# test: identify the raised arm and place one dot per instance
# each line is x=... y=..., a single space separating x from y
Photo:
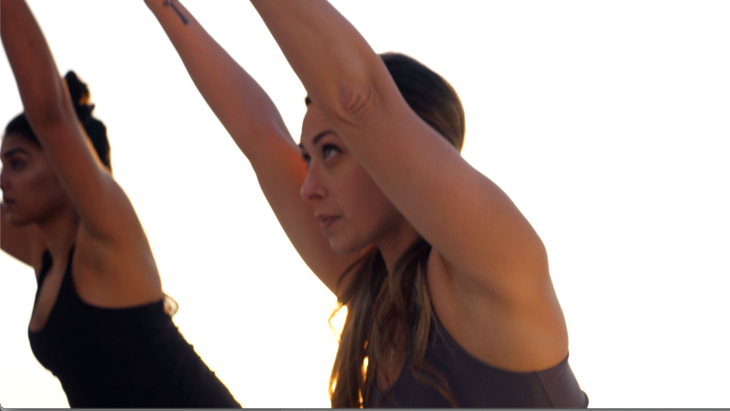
x=104 y=209
x=254 y=123
x=497 y=272
x=463 y=214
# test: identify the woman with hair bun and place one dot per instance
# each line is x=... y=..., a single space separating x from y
x=447 y=288
x=101 y=322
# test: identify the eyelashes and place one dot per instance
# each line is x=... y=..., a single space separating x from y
x=328 y=150
x=14 y=164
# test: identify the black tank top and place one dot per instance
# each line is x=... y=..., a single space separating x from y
x=122 y=358
x=477 y=384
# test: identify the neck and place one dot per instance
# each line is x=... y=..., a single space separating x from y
x=59 y=230
x=396 y=243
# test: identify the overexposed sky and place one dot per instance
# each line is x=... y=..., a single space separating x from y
x=608 y=124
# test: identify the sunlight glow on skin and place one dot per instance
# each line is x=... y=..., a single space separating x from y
x=338 y=186
x=605 y=125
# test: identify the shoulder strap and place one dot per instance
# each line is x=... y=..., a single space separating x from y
x=45 y=267
x=48 y=262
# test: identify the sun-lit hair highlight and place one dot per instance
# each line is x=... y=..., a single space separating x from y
x=388 y=311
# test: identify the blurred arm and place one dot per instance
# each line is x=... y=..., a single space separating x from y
x=105 y=211
x=254 y=123
x=494 y=288
x=467 y=218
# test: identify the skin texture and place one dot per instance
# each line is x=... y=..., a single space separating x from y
x=487 y=272
x=31 y=191
x=352 y=210
x=65 y=197
x=393 y=177
x=26 y=173
x=255 y=125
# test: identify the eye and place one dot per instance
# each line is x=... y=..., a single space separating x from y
x=328 y=149
x=16 y=164
x=307 y=158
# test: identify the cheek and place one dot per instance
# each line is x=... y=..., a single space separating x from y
x=39 y=179
x=41 y=188
x=369 y=208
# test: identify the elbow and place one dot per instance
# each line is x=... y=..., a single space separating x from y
x=356 y=97
x=354 y=106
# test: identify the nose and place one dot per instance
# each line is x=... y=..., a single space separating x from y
x=312 y=188
x=4 y=179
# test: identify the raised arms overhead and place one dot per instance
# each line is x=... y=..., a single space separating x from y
x=463 y=214
x=254 y=123
x=49 y=110
x=493 y=266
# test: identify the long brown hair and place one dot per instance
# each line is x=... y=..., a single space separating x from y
x=387 y=312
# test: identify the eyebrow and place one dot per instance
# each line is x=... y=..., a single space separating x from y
x=14 y=151
x=318 y=137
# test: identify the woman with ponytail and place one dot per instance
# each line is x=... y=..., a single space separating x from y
x=100 y=322
x=447 y=288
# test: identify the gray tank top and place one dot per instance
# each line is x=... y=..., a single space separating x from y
x=477 y=384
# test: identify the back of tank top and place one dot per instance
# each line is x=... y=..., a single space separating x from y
x=477 y=384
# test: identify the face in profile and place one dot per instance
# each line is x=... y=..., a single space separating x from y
x=352 y=210
x=31 y=190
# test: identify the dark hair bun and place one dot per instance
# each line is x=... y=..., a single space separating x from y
x=79 y=96
x=95 y=129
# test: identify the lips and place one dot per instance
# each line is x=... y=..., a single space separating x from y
x=326 y=220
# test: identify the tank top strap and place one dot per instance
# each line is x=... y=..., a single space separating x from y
x=47 y=261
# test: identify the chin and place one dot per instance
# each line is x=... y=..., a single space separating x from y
x=345 y=247
x=16 y=219
x=339 y=248
x=16 y=222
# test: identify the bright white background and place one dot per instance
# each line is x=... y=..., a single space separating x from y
x=608 y=123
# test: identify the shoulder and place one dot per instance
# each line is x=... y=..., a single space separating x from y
x=520 y=334
x=114 y=273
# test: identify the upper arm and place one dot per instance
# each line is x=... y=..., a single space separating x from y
x=103 y=207
x=280 y=172
x=493 y=253
x=239 y=102
x=465 y=216
x=254 y=123
x=100 y=202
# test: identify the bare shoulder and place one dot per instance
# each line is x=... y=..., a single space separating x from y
x=115 y=274
x=524 y=331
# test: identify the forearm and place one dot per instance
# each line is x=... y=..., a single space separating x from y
x=41 y=89
x=243 y=107
x=333 y=61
